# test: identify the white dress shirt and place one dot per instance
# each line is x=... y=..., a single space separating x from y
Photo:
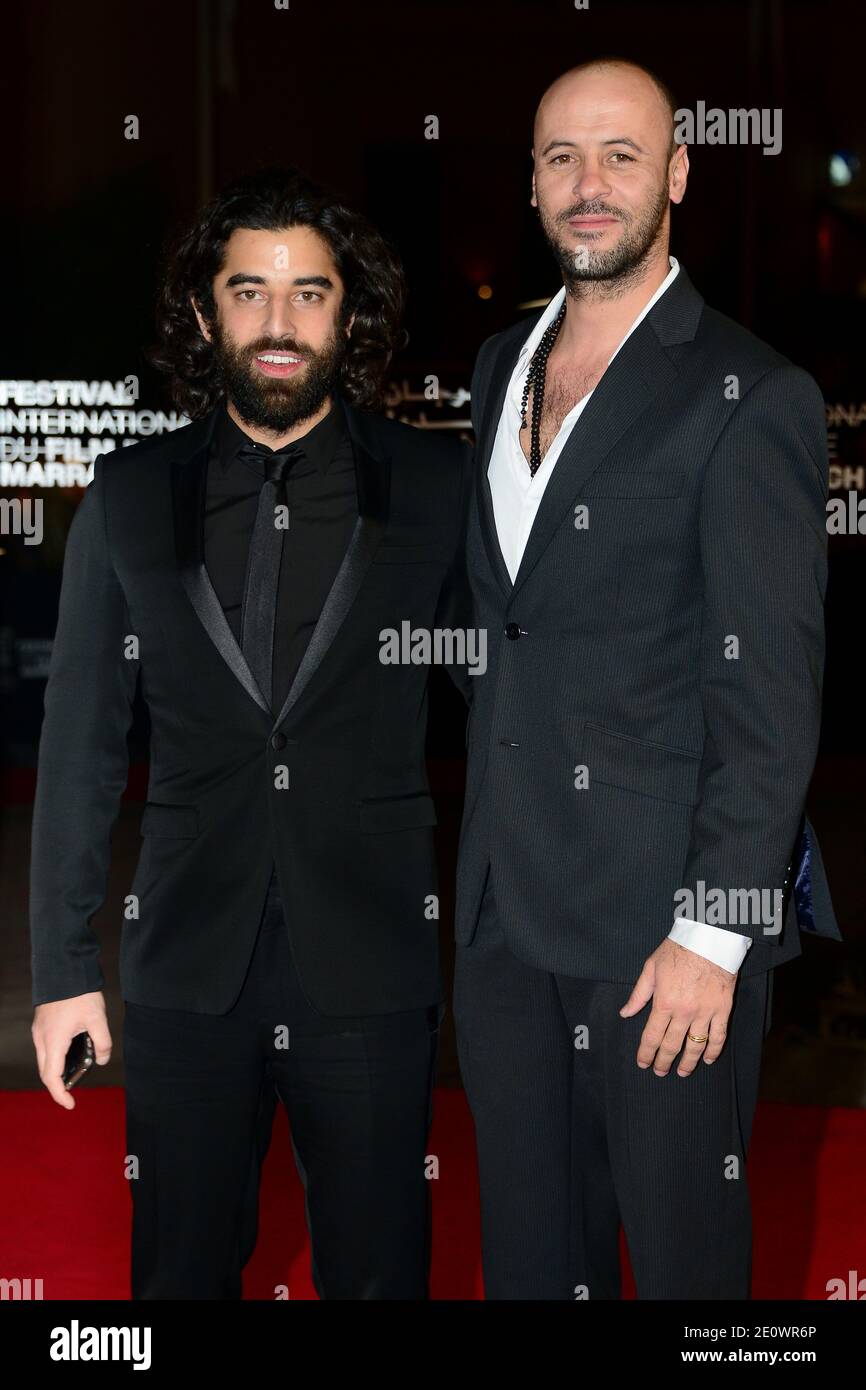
x=516 y=498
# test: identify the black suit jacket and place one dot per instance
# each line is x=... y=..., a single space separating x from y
x=351 y=835
x=706 y=520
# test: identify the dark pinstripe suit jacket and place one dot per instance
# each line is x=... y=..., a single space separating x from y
x=701 y=459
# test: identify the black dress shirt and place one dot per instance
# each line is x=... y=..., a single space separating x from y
x=323 y=507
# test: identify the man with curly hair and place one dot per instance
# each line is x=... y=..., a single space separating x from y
x=281 y=936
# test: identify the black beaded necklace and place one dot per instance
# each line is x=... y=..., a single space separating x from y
x=535 y=378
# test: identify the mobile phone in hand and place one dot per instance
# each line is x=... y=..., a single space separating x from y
x=79 y=1059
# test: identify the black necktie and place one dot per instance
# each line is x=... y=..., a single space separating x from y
x=259 y=608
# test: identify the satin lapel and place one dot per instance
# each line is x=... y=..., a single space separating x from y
x=373 y=474
x=189 y=481
x=640 y=370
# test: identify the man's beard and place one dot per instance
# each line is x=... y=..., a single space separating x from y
x=277 y=403
x=612 y=271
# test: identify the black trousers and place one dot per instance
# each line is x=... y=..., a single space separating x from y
x=574 y=1138
x=201 y=1091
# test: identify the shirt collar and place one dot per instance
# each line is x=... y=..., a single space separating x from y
x=553 y=309
x=319 y=444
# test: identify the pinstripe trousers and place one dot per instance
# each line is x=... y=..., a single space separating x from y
x=574 y=1138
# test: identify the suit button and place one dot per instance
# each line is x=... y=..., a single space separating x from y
x=278 y=741
x=512 y=631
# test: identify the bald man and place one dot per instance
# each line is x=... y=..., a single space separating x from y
x=647 y=550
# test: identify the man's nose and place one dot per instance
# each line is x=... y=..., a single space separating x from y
x=592 y=182
x=280 y=320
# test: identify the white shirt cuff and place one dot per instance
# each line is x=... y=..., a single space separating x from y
x=725 y=948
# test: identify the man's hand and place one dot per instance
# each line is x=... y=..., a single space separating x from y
x=692 y=995
x=54 y=1027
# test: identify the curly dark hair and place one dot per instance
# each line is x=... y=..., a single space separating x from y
x=273 y=200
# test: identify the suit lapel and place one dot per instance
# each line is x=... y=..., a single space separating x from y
x=189 y=482
x=640 y=370
x=373 y=475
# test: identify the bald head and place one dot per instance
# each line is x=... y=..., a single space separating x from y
x=610 y=84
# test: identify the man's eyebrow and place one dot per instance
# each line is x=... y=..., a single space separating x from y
x=571 y=145
x=625 y=140
x=552 y=144
x=240 y=278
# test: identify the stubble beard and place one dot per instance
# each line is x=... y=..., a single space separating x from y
x=591 y=274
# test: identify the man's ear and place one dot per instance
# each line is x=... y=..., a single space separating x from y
x=679 y=174
x=201 y=320
x=349 y=325
x=533 y=202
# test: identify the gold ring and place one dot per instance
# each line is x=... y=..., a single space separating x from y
x=703 y=1038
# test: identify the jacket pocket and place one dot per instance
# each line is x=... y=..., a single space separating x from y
x=397 y=813
x=177 y=822
x=635 y=765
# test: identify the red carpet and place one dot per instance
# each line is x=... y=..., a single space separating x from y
x=66 y=1210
